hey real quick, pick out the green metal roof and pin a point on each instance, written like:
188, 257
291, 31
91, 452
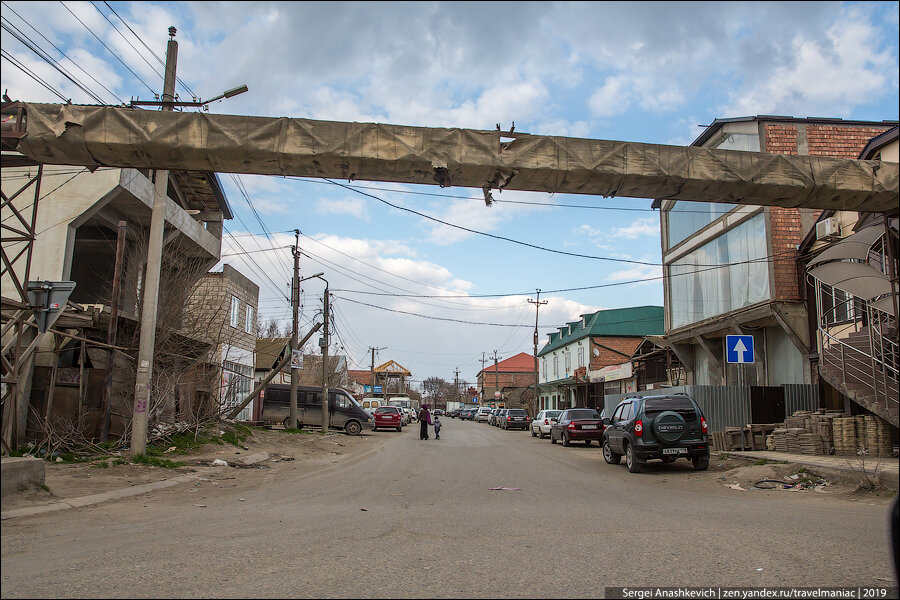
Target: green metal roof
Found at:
618, 322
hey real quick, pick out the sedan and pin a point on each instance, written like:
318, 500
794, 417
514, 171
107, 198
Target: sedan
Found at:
540, 426
514, 418
388, 416
577, 424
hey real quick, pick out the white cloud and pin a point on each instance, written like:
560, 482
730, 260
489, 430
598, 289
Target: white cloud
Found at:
639, 274
612, 98
638, 228
355, 207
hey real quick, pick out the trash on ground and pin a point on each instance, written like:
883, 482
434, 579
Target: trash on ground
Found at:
508, 489
219, 463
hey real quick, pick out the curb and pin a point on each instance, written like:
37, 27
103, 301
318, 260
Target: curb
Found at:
117, 494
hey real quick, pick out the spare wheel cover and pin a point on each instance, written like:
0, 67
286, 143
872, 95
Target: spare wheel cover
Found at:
668, 426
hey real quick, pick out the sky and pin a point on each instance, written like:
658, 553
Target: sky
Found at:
433, 297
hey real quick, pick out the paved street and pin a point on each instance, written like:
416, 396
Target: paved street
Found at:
412, 518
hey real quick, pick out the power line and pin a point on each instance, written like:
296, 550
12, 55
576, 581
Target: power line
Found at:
107, 47
28, 72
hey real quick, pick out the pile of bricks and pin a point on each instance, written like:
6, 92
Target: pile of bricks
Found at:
878, 436
845, 443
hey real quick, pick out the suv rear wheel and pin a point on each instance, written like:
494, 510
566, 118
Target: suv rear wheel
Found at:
631, 461
609, 456
701, 463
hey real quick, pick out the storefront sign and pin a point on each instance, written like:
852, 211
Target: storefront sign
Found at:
611, 373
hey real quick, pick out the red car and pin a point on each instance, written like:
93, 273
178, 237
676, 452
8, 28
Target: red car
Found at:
388, 416
577, 424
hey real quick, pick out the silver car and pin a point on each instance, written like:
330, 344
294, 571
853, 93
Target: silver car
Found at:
540, 426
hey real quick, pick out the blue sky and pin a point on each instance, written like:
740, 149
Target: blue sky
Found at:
648, 72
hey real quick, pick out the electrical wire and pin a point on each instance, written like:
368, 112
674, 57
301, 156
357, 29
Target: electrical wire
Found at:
9, 57
108, 48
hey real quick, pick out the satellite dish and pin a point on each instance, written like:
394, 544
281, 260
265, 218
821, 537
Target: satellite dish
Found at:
596, 351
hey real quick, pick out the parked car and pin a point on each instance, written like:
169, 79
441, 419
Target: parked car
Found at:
577, 424
540, 426
438, 412
514, 418
370, 404
343, 410
482, 414
657, 427
388, 416
492, 420
453, 414
466, 414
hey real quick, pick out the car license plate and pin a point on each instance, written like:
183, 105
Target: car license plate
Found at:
589, 427
675, 450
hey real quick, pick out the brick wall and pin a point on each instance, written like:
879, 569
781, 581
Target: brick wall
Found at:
781, 139
840, 140
844, 141
610, 349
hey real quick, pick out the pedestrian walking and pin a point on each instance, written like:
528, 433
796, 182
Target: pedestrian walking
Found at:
437, 427
424, 422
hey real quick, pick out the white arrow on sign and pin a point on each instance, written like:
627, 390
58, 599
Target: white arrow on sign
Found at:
739, 349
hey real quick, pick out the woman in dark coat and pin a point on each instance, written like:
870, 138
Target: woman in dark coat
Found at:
424, 422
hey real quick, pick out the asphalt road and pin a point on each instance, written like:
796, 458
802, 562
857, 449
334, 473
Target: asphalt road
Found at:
415, 518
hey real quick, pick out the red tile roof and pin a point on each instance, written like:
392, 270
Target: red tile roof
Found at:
520, 363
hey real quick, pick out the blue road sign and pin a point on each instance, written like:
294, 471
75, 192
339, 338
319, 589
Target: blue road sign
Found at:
739, 349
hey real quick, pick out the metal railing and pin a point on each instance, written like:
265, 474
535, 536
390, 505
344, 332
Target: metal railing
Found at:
869, 362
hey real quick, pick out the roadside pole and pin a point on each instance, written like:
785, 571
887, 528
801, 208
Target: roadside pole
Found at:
325, 366
151, 279
537, 307
295, 308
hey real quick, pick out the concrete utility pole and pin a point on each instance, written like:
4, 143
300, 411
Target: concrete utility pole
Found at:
295, 307
151, 279
537, 307
456, 385
325, 364
496, 378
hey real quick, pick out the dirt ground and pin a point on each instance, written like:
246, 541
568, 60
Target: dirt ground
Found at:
302, 452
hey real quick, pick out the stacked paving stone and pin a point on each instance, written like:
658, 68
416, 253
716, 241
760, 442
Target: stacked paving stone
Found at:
792, 436
845, 436
878, 436
812, 444
779, 440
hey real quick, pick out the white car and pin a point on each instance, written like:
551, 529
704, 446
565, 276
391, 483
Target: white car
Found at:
483, 414
540, 426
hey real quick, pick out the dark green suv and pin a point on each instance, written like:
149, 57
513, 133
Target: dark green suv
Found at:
665, 427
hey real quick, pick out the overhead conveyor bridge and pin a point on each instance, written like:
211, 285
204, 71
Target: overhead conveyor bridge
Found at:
95, 136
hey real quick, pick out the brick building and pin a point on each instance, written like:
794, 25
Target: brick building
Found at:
590, 358
760, 289
510, 377
228, 302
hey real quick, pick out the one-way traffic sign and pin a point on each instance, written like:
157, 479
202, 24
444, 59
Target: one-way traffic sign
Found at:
739, 349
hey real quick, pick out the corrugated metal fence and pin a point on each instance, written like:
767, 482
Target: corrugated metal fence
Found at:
723, 405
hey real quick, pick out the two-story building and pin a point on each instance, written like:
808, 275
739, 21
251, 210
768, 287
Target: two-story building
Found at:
505, 383
589, 358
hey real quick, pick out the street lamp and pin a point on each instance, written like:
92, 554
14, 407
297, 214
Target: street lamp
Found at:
197, 102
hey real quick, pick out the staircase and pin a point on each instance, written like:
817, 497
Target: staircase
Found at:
850, 366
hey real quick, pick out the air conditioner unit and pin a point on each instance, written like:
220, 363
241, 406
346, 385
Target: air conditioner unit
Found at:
828, 228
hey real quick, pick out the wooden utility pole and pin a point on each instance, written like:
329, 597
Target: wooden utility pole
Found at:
295, 308
113, 328
151, 279
325, 365
372, 368
537, 307
456, 386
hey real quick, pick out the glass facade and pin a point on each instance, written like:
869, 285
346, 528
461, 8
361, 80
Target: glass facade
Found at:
687, 218
698, 290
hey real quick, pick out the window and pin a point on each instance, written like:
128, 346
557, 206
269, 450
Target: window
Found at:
568, 362
556, 366
580, 356
837, 305
545, 367
248, 325
235, 310
698, 291
686, 218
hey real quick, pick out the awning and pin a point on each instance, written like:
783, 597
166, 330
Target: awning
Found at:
857, 279
885, 304
855, 246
